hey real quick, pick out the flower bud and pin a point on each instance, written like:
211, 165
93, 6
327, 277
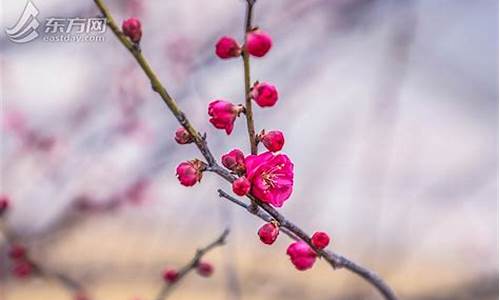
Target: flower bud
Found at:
264, 94
170, 275
273, 140
223, 114
301, 255
320, 239
204, 269
81, 296
234, 161
22, 269
182, 136
132, 28
4, 204
227, 47
258, 43
241, 186
190, 172
17, 252
268, 233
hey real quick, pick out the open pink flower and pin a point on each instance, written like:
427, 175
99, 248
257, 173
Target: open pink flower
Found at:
271, 177
223, 114
264, 94
301, 255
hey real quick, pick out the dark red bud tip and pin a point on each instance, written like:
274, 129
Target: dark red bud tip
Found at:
182, 136
4, 204
22, 269
81, 296
170, 275
268, 233
17, 252
205, 269
132, 28
320, 240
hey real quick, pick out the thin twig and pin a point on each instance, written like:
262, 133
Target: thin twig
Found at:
246, 69
67, 282
336, 261
168, 287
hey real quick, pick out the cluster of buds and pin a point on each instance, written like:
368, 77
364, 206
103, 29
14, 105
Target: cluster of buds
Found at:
302, 255
204, 269
267, 176
21, 266
258, 43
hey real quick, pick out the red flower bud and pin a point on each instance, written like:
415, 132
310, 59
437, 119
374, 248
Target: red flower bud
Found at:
81, 296
170, 275
227, 47
258, 43
205, 269
17, 252
190, 172
268, 233
22, 269
301, 255
273, 140
4, 204
241, 186
264, 94
182, 136
223, 114
234, 161
132, 28
320, 240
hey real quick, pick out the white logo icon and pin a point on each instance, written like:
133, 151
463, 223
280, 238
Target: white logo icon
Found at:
25, 29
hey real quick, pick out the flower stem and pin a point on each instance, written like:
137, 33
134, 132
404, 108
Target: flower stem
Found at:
336, 261
246, 68
168, 287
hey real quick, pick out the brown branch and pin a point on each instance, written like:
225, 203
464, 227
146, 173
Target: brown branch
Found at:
168, 287
246, 69
336, 261
295, 233
67, 282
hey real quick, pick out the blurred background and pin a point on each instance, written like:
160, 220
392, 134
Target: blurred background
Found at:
390, 112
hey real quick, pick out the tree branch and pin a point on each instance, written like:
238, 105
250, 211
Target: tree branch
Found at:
246, 69
333, 259
168, 287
